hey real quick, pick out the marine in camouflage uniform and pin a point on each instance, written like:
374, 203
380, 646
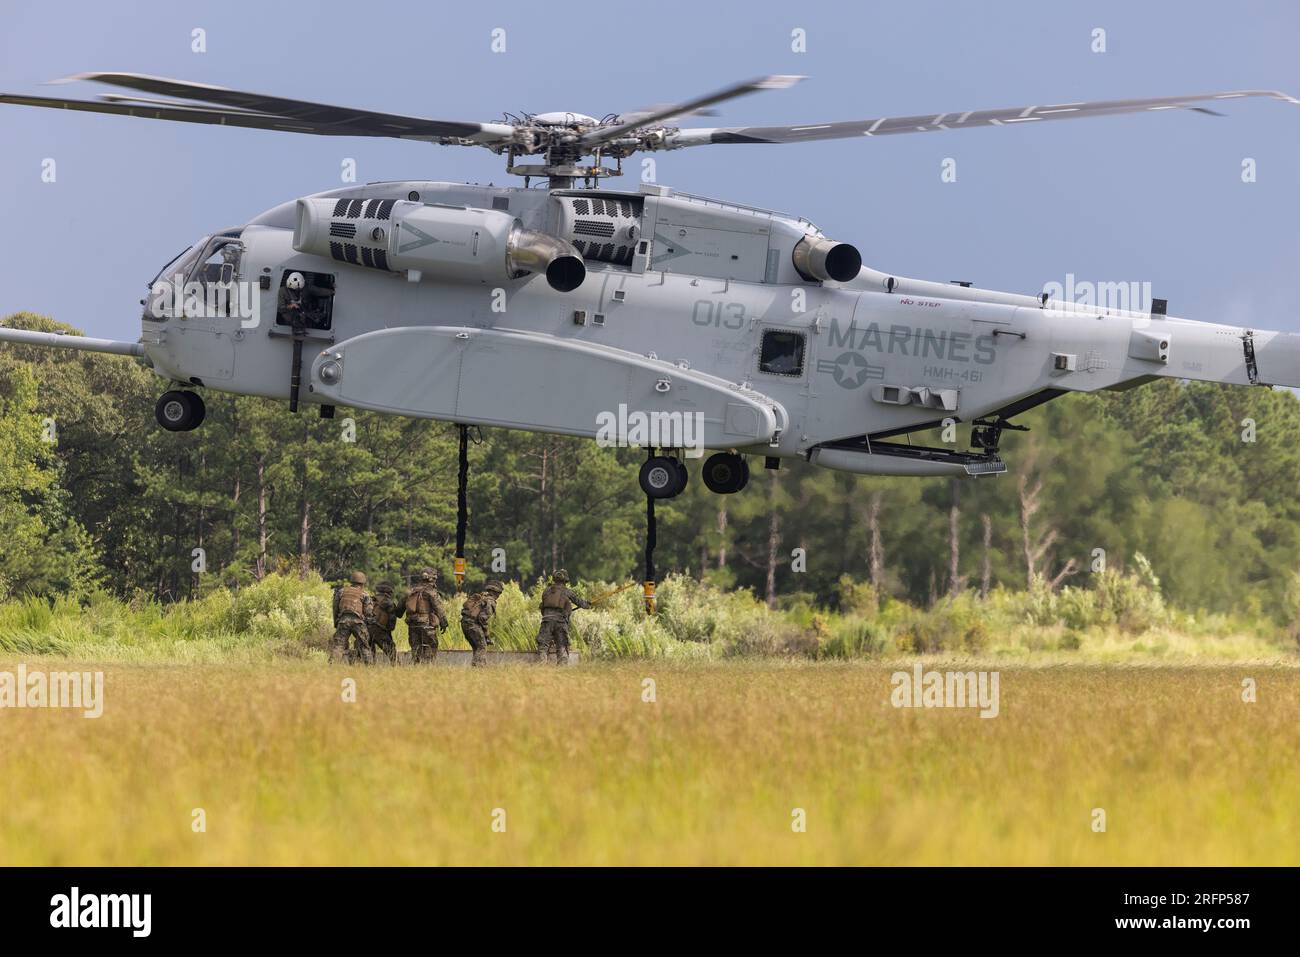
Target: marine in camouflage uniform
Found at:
384, 614
558, 602
424, 617
475, 615
352, 606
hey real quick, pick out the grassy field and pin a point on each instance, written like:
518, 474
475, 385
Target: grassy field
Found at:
708, 773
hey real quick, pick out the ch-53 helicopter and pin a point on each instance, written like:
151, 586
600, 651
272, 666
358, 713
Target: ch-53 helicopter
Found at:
653, 317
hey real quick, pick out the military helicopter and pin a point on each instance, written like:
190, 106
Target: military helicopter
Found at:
652, 317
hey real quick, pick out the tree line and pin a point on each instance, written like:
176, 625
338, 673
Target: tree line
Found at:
1197, 477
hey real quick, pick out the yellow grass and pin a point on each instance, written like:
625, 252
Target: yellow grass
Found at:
588, 773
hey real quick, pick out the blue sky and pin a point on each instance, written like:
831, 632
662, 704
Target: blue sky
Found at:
1155, 198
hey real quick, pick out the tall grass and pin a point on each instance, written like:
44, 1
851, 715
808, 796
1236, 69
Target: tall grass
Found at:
587, 770
276, 618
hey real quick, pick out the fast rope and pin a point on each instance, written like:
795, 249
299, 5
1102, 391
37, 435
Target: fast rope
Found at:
650, 537
295, 370
462, 507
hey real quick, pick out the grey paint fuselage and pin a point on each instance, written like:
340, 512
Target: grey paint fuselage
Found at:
706, 309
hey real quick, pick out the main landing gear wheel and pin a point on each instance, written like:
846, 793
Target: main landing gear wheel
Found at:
663, 476
179, 411
725, 473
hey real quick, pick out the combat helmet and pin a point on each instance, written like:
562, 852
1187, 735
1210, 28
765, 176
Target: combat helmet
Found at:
385, 588
358, 578
428, 574
494, 586
560, 575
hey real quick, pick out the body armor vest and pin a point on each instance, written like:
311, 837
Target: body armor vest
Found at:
419, 604
556, 597
350, 600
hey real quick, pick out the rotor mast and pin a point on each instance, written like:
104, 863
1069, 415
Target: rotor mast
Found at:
563, 166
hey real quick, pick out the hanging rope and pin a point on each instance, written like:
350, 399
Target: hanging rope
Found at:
650, 539
462, 506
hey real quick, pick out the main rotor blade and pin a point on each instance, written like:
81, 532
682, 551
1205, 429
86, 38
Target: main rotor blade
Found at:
263, 112
952, 121
184, 114
156, 101
658, 114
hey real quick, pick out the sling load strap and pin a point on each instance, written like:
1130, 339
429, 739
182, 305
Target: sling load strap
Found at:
462, 507
650, 538
295, 374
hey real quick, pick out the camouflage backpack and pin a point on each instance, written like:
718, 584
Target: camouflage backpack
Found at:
474, 607
384, 613
414, 601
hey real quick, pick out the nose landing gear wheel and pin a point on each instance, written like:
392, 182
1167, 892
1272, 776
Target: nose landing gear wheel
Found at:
663, 477
179, 411
725, 473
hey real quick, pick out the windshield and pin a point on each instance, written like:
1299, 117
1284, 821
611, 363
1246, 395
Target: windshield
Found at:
219, 261
175, 267
200, 282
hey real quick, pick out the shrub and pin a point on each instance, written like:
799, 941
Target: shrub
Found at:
283, 616
854, 637
858, 598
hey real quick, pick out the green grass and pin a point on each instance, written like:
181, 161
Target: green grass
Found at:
282, 618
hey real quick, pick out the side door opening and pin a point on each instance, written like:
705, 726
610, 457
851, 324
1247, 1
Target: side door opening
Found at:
314, 304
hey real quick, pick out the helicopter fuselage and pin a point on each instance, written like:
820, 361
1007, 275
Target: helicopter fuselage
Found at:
688, 305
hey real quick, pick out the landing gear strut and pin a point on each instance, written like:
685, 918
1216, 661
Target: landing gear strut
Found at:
986, 434
179, 411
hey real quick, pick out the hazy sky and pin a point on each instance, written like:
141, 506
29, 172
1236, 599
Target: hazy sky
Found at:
1154, 197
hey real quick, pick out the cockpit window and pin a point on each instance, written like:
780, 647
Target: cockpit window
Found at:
214, 275
199, 283
173, 266
167, 290
781, 353
220, 261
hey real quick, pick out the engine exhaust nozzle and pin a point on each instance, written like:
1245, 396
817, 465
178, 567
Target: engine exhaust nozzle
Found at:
561, 263
820, 259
